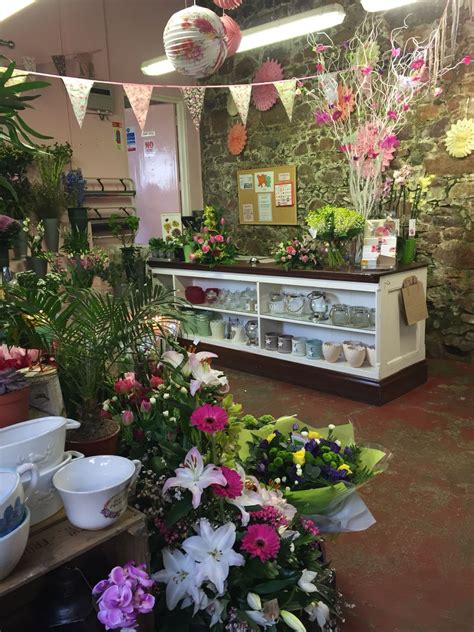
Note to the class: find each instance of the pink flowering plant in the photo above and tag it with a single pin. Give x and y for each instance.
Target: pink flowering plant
(213, 244)
(9, 229)
(298, 253)
(124, 596)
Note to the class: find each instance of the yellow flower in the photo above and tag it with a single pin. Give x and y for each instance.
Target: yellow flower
(299, 457)
(271, 436)
(313, 435)
(345, 467)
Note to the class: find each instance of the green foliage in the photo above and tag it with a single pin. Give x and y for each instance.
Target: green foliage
(333, 223)
(14, 163)
(124, 228)
(49, 196)
(75, 243)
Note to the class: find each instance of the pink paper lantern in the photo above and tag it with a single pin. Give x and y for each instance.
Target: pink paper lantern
(233, 34)
(228, 4)
(265, 97)
(194, 40)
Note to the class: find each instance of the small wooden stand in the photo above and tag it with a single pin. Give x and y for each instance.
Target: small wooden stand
(55, 542)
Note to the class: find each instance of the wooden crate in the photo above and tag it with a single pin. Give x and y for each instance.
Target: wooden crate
(56, 542)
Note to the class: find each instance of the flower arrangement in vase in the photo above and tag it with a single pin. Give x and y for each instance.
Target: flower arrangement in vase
(213, 245)
(74, 185)
(335, 226)
(297, 253)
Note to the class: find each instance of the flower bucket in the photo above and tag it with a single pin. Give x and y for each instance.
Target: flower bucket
(14, 407)
(78, 218)
(51, 233)
(187, 253)
(408, 251)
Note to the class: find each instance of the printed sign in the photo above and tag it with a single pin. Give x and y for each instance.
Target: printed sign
(246, 181)
(264, 181)
(118, 139)
(265, 207)
(247, 210)
(149, 148)
(284, 194)
(148, 134)
(131, 139)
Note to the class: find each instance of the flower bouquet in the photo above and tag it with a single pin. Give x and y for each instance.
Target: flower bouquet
(318, 470)
(213, 245)
(296, 253)
(335, 225)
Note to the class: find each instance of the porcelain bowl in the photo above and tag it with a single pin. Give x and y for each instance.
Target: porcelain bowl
(14, 492)
(331, 351)
(95, 490)
(39, 441)
(13, 545)
(45, 500)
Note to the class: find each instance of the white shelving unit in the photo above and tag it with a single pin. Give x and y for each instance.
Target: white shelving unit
(398, 346)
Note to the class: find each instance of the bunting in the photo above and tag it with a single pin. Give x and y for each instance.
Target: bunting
(241, 96)
(78, 91)
(139, 97)
(287, 92)
(194, 98)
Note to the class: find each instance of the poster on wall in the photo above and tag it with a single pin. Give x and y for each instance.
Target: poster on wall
(284, 194)
(246, 182)
(264, 181)
(171, 225)
(248, 212)
(149, 148)
(118, 138)
(265, 207)
(131, 139)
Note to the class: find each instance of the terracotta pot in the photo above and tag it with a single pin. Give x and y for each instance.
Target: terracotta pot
(14, 407)
(93, 447)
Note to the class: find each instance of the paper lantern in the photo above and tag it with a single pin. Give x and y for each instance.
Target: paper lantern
(265, 97)
(194, 40)
(460, 138)
(233, 35)
(228, 4)
(237, 139)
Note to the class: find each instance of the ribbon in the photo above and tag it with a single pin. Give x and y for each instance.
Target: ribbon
(287, 92)
(241, 96)
(194, 98)
(139, 97)
(78, 91)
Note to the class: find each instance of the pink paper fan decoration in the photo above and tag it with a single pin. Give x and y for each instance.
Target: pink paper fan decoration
(228, 4)
(233, 35)
(265, 97)
(237, 139)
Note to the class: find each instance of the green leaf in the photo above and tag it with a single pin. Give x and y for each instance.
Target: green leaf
(276, 585)
(179, 510)
(6, 185)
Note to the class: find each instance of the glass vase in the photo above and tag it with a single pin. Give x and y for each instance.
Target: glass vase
(335, 255)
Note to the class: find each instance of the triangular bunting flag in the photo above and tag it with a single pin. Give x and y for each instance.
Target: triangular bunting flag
(194, 99)
(78, 91)
(287, 90)
(241, 96)
(139, 97)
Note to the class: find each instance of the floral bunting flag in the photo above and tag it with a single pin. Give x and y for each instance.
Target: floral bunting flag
(194, 99)
(287, 91)
(241, 96)
(139, 97)
(78, 91)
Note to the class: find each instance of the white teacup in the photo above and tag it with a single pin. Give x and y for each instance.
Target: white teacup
(13, 495)
(95, 490)
(13, 545)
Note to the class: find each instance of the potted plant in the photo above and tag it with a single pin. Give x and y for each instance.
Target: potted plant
(75, 189)
(158, 247)
(124, 228)
(89, 334)
(14, 391)
(34, 236)
(9, 229)
(48, 192)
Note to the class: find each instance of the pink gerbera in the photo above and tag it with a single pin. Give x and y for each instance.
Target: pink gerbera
(234, 486)
(261, 541)
(209, 418)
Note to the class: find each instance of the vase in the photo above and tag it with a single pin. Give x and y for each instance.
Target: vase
(37, 265)
(51, 233)
(188, 249)
(20, 246)
(78, 218)
(335, 255)
(408, 251)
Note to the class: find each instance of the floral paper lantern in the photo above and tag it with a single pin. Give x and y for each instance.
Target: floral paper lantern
(194, 40)
(460, 138)
(233, 34)
(265, 97)
(237, 139)
(228, 4)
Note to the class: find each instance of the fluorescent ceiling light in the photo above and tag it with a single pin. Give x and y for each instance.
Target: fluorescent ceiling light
(10, 7)
(384, 5)
(270, 33)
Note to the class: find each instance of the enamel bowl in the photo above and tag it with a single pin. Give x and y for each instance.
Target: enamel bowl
(39, 441)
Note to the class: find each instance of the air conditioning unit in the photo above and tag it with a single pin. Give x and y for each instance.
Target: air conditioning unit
(101, 98)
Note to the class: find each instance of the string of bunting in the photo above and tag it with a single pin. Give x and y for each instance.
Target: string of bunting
(139, 95)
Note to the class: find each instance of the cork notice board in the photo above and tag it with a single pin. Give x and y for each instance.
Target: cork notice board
(267, 195)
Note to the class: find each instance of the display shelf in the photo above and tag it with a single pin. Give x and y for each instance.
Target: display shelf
(306, 321)
(218, 342)
(222, 310)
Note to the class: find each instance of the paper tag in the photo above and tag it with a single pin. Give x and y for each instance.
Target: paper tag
(414, 300)
(411, 227)
(271, 610)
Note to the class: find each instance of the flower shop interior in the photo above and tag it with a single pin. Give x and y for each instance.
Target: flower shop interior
(236, 315)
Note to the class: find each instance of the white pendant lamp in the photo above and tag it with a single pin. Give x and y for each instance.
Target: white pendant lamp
(372, 6)
(10, 7)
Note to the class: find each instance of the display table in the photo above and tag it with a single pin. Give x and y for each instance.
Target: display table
(399, 365)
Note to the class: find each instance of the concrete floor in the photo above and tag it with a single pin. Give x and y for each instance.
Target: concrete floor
(413, 570)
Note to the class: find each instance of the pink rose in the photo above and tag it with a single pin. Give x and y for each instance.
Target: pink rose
(200, 240)
(212, 239)
(127, 418)
(219, 238)
(290, 250)
(155, 381)
(304, 258)
(205, 249)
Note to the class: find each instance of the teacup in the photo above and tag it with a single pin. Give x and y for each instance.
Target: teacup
(13, 545)
(95, 490)
(13, 495)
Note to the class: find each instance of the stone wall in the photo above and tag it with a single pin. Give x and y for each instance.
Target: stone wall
(445, 228)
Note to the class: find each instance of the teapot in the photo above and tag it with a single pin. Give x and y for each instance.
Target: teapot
(319, 305)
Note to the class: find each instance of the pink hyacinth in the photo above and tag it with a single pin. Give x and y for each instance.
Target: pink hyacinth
(209, 418)
(261, 541)
(417, 64)
(321, 117)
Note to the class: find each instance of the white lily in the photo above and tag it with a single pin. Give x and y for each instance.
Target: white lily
(179, 575)
(175, 359)
(195, 477)
(251, 495)
(200, 604)
(254, 601)
(275, 499)
(215, 608)
(203, 374)
(256, 614)
(319, 612)
(213, 549)
(292, 621)
(305, 582)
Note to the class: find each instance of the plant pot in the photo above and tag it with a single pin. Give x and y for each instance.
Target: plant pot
(133, 264)
(20, 246)
(94, 447)
(51, 233)
(188, 249)
(37, 265)
(179, 254)
(4, 256)
(14, 407)
(78, 218)
(408, 251)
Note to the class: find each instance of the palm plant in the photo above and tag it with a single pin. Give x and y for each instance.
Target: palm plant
(89, 334)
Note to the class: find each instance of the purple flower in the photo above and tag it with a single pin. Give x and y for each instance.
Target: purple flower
(321, 117)
(139, 574)
(347, 451)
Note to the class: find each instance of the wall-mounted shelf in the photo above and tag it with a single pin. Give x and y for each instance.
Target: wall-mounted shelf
(110, 187)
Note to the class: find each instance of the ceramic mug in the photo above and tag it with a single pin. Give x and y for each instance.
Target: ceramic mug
(13, 545)
(284, 343)
(95, 490)
(314, 348)
(298, 345)
(13, 495)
